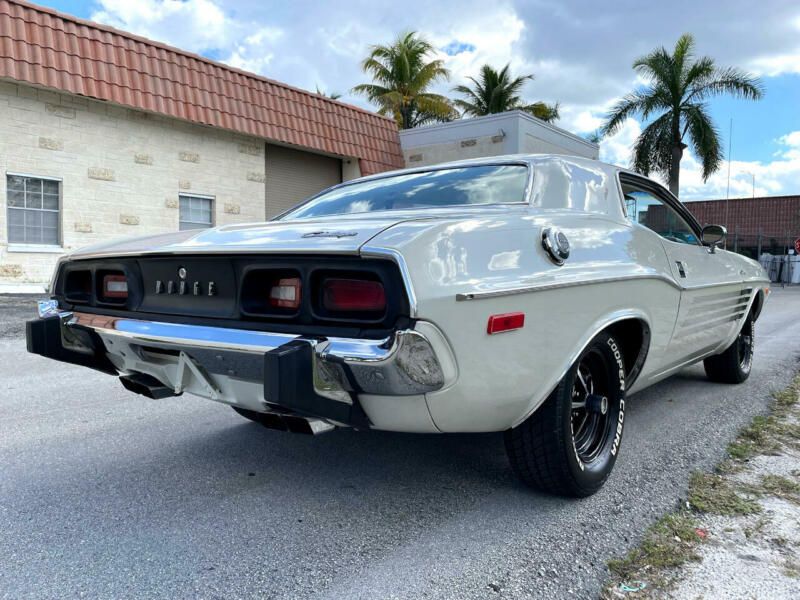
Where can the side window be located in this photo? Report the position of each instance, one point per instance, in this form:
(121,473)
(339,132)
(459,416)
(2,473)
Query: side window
(647,209)
(196,212)
(33,210)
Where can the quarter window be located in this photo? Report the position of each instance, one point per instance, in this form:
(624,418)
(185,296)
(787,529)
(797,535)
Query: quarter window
(645,208)
(33,210)
(196,212)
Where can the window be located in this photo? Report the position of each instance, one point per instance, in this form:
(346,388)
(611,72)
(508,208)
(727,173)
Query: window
(646,208)
(196,212)
(33,210)
(484,184)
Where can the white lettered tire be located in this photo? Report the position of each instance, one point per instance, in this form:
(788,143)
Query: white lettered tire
(570,444)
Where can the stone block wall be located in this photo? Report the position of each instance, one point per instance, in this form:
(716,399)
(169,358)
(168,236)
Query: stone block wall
(121,172)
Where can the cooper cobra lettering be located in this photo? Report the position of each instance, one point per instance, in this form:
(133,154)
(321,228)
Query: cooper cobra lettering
(621,416)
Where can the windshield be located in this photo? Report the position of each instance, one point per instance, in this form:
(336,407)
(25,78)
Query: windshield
(462,186)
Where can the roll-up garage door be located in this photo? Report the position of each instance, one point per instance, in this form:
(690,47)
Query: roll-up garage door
(294,175)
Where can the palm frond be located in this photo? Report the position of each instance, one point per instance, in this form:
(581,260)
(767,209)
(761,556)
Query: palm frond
(627,107)
(703,138)
(496,91)
(728,81)
(652,151)
(401,73)
(543,111)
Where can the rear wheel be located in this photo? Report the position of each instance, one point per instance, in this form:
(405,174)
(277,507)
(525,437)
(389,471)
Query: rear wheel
(734,365)
(570,444)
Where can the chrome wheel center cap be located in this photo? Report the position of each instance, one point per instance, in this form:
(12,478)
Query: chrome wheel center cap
(597,404)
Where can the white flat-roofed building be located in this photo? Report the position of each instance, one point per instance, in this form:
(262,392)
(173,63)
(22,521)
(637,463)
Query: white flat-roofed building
(513,132)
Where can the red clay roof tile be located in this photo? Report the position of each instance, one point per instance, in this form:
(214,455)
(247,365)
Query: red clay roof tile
(42,47)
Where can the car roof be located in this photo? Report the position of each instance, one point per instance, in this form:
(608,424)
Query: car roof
(530,159)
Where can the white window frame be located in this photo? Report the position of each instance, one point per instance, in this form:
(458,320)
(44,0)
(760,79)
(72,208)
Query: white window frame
(36,248)
(211,199)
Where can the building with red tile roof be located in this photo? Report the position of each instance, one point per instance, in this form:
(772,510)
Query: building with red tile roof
(45,48)
(106,134)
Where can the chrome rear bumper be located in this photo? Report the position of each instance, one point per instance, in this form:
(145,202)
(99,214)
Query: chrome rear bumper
(402,364)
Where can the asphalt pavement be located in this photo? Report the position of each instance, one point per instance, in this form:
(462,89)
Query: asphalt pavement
(104,494)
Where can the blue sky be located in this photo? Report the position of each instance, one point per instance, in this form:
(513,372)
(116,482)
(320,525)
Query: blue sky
(579,50)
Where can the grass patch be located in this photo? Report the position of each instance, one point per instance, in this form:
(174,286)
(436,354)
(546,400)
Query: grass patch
(791,568)
(788,397)
(782,487)
(764,433)
(673,540)
(715,495)
(667,544)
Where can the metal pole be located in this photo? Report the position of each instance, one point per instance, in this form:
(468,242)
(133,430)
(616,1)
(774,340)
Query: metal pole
(754,184)
(728,192)
(730,144)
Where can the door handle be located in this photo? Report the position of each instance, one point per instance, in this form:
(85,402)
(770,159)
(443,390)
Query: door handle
(681,268)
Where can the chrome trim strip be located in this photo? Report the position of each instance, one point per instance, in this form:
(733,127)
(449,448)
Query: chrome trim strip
(378,252)
(198,252)
(562,284)
(223,338)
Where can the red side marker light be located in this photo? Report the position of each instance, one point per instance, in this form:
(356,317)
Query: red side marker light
(505,322)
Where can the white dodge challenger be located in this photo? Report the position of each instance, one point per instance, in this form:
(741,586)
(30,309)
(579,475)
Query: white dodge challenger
(530,295)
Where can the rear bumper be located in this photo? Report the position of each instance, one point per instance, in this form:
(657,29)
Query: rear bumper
(312,376)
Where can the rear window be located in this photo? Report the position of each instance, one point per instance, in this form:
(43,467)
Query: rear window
(462,186)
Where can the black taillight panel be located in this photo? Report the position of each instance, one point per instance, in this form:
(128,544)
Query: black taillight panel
(271,293)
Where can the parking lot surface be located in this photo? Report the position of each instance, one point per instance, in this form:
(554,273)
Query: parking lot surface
(107,494)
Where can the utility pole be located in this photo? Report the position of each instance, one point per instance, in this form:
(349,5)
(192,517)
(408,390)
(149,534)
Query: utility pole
(728,192)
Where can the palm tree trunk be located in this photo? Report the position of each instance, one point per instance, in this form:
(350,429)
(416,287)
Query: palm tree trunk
(675,167)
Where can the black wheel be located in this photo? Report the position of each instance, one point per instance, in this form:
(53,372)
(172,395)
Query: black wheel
(250,415)
(734,365)
(570,444)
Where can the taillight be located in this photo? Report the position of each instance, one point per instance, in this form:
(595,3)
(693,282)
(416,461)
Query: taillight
(115,286)
(285,293)
(353,295)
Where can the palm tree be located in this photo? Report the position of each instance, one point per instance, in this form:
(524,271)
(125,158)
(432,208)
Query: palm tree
(331,95)
(675,102)
(496,92)
(402,76)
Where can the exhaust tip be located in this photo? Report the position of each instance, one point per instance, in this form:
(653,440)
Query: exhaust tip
(307,426)
(146,385)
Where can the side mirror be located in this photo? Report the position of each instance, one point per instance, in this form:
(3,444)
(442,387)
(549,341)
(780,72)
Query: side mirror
(713,236)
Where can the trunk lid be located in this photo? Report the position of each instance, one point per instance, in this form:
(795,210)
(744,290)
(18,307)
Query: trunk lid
(341,235)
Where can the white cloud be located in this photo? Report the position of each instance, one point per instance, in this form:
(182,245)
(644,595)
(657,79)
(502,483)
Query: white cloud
(617,149)
(194,25)
(255,52)
(579,52)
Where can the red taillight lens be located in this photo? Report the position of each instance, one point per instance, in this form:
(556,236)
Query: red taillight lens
(285,293)
(352,295)
(115,286)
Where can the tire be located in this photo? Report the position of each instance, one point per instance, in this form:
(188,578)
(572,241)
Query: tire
(734,365)
(250,415)
(568,450)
